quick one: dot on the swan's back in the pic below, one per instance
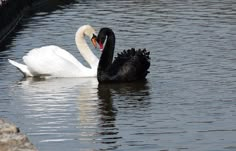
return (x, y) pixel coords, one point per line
(52, 61)
(130, 65)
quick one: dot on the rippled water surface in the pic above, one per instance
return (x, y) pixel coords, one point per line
(187, 103)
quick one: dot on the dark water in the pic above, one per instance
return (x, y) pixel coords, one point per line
(187, 103)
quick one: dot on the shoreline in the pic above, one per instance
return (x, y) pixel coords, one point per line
(11, 139)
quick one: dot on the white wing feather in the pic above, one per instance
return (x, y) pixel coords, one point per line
(54, 61)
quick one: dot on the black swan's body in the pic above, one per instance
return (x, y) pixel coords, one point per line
(130, 65)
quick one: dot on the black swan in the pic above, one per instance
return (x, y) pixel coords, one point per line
(129, 65)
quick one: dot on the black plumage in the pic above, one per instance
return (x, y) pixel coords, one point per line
(128, 66)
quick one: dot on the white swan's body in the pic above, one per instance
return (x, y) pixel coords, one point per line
(56, 62)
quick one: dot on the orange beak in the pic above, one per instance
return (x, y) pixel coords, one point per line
(94, 41)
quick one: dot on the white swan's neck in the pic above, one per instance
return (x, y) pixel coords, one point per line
(84, 48)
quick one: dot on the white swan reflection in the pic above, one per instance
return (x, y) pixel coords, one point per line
(77, 109)
(59, 105)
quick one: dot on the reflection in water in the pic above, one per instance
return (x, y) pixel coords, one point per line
(72, 109)
(64, 109)
(87, 107)
(135, 94)
(108, 109)
(107, 112)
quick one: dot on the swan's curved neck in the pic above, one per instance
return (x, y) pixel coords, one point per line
(85, 50)
(108, 51)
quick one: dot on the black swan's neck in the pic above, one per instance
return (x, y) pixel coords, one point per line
(108, 51)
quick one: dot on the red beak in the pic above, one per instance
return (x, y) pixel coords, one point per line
(101, 46)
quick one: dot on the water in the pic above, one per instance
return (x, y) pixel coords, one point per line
(187, 103)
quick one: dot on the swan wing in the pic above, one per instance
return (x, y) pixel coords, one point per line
(130, 65)
(53, 61)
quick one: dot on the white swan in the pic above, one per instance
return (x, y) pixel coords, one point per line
(57, 62)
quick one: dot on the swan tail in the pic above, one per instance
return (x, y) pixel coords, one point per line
(22, 68)
(141, 62)
(144, 59)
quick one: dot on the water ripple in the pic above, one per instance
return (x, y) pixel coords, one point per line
(187, 102)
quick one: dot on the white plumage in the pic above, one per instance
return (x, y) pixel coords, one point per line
(57, 62)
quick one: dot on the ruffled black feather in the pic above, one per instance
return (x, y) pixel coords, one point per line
(130, 65)
(138, 59)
